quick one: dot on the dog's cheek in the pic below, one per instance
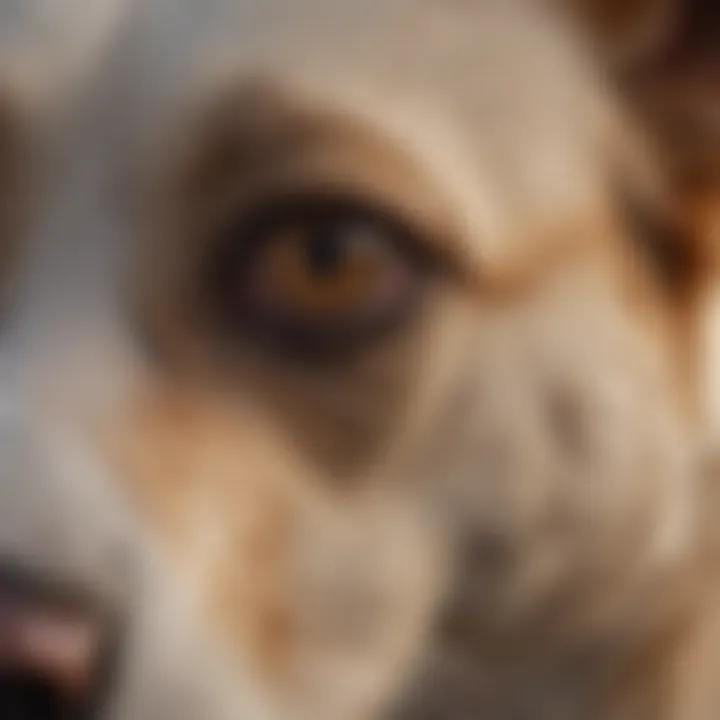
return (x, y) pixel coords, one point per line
(208, 488)
(325, 598)
(562, 449)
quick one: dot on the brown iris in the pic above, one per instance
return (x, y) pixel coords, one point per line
(318, 275)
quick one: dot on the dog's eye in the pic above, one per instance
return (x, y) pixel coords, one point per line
(317, 276)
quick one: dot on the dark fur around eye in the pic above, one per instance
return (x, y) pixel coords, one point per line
(232, 257)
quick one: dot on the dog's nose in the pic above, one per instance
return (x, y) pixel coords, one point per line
(53, 646)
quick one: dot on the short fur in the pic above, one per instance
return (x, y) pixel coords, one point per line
(502, 511)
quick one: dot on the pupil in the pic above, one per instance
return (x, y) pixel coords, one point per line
(325, 251)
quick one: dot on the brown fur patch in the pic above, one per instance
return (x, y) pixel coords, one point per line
(203, 484)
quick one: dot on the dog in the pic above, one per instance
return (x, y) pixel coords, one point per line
(351, 368)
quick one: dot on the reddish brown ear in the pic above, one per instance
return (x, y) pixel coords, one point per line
(627, 31)
(678, 93)
(666, 57)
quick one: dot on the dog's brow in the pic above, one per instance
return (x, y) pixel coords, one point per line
(255, 143)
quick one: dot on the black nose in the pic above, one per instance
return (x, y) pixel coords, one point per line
(55, 646)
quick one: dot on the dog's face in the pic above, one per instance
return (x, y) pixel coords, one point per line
(329, 361)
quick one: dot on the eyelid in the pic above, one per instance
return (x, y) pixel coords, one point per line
(312, 206)
(239, 163)
(407, 237)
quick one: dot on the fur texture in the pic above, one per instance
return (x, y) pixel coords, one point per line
(502, 510)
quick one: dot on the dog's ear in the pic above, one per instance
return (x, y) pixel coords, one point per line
(665, 55)
(627, 31)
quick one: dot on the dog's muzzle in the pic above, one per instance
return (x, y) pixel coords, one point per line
(57, 649)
